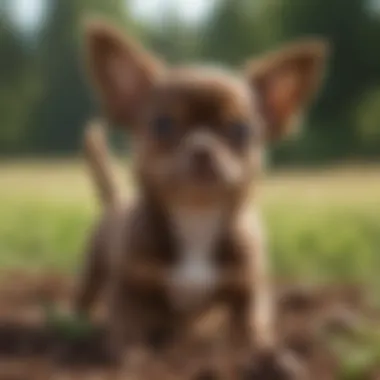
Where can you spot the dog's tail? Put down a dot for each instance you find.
(99, 161)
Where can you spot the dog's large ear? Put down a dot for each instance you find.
(122, 71)
(285, 82)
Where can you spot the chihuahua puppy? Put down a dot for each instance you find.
(191, 239)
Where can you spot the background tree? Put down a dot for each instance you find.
(66, 103)
(19, 85)
(44, 97)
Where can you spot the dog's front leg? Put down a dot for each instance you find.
(261, 300)
(268, 357)
(253, 335)
(250, 297)
(116, 326)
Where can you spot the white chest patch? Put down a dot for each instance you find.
(195, 275)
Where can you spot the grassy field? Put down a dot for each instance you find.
(322, 225)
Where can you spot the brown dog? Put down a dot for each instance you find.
(190, 240)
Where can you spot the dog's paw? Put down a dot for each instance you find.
(274, 366)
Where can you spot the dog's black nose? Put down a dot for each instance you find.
(202, 164)
(201, 158)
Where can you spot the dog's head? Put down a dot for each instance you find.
(198, 132)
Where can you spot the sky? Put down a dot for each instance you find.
(191, 10)
(28, 12)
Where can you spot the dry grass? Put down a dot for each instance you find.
(68, 181)
(321, 223)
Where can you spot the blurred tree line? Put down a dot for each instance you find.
(45, 100)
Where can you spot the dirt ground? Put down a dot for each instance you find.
(32, 347)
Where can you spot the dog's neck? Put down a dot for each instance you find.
(190, 240)
(187, 226)
(196, 231)
(194, 276)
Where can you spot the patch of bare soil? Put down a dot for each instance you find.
(33, 348)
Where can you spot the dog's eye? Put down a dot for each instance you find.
(162, 127)
(239, 133)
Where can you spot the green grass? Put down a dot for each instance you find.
(335, 242)
(36, 234)
(322, 225)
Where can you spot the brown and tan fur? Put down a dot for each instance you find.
(189, 241)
